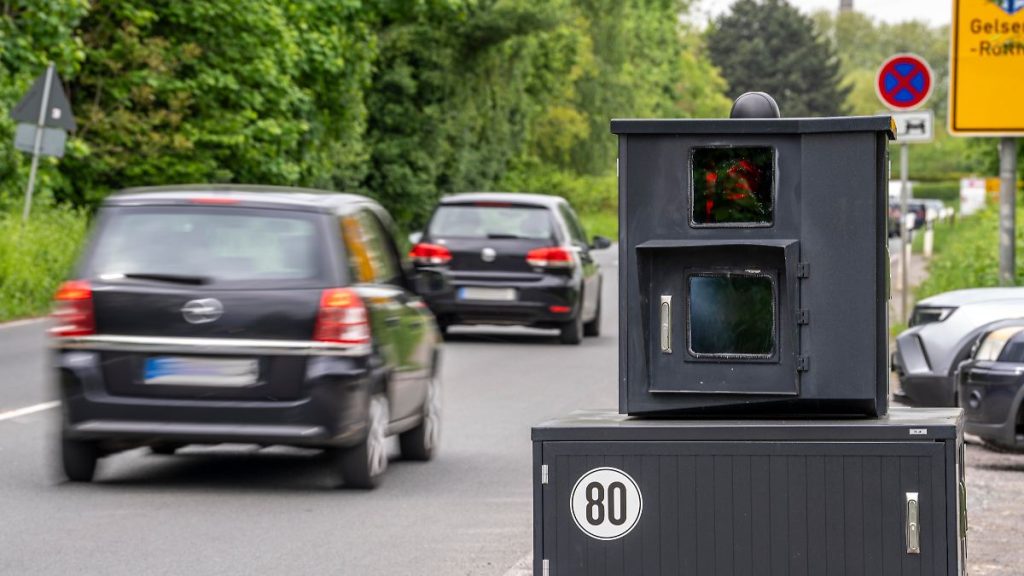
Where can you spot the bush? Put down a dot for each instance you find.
(947, 191)
(35, 257)
(967, 254)
(595, 198)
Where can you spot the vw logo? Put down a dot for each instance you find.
(488, 254)
(202, 311)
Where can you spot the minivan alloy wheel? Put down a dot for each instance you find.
(421, 442)
(376, 442)
(432, 417)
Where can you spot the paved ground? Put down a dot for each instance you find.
(240, 511)
(995, 510)
(247, 512)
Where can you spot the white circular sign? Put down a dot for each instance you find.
(606, 503)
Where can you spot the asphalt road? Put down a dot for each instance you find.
(238, 510)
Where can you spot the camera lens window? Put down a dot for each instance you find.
(733, 186)
(731, 315)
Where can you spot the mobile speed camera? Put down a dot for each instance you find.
(754, 263)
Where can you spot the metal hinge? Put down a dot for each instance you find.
(803, 363)
(543, 473)
(803, 270)
(803, 316)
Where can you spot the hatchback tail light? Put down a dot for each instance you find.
(342, 318)
(73, 310)
(424, 253)
(554, 257)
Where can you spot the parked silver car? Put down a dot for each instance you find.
(942, 330)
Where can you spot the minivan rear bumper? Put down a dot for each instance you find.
(329, 411)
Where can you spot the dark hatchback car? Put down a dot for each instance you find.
(513, 259)
(242, 314)
(991, 387)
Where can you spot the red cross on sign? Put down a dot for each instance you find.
(904, 82)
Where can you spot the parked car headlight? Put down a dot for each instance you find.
(929, 314)
(992, 344)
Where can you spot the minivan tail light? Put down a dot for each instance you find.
(424, 253)
(342, 318)
(73, 310)
(554, 257)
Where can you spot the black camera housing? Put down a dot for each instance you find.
(754, 266)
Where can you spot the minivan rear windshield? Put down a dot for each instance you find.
(493, 221)
(209, 245)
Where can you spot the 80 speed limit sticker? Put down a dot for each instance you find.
(606, 503)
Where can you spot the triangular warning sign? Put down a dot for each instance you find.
(58, 109)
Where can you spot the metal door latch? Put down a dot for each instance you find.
(666, 324)
(913, 524)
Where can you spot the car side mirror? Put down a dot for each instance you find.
(601, 243)
(429, 281)
(415, 237)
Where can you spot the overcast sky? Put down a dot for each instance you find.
(934, 12)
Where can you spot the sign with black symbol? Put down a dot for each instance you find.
(606, 503)
(914, 127)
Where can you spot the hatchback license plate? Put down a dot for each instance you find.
(212, 372)
(492, 294)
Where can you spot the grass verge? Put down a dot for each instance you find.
(601, 224)
(967, 254)
(35, 257)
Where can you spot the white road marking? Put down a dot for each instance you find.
(522, 568)
(10, 414)
(24, 322)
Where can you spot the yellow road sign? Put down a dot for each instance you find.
(987, 68)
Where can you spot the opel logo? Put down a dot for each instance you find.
(202, 311)
(488, 254)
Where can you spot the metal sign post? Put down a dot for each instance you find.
(903, 83)
(1007, 210)
(905, 230)
(985, 65)
(38, 142)
(44, 118)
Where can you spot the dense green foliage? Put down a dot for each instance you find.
(967, 254)
(947, 191)
(403, 100)
(34, 258)
(862, 45)
(770, 46)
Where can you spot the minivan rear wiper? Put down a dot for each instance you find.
(505, 237)
(161, 277)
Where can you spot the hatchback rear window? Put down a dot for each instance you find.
(491, 221)
(209, 245)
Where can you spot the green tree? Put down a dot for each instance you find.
(457, 93)
(770, 46)
(33, 33)
(863, 44)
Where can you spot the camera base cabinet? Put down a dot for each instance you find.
(615, 495)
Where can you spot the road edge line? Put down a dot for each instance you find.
(22, 322)
(18, 412)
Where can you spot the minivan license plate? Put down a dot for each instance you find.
(492, 294)
(212, 372)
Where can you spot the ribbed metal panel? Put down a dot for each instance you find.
(754, 508)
